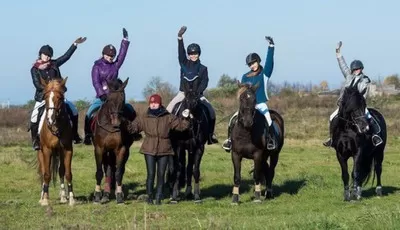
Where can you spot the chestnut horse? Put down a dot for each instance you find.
(55, 141)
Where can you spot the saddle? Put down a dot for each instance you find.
(178, 109)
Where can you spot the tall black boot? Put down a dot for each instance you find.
(88, 132)
(332, 125)
(35, 136)
(227, 145)
(212, 139)
(77, 138)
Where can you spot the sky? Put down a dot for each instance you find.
(305, 32)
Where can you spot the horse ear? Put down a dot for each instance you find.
(124, 84)
(43, 82)
(255, 87)
(64, 81)
(240, 85)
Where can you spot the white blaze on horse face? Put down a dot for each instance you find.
(51, 106)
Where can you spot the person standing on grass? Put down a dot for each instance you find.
(156, 123)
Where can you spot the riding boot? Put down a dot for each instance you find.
(149, 190)
(77, 138)
(332, 125)
(227, 145)
(375, 129)
(212, 139)
(35, 136)
(271, 143)
(88, 132)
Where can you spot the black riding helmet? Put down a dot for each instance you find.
(193, 49)
(253, 57)
(356, 64)
(109, 50)
(47, 50)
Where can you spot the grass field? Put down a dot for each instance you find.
(307, 186)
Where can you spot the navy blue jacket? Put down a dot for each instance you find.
(194, 75)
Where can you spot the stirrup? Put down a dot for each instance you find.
(271, 145)
(227, 145)
(378, 140)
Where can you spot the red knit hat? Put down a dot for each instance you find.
(155, 98)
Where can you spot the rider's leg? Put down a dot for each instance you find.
(212, 139)
(227, 145)
(88, 132)
(35, 118)
(74, 115)
(375, 129)
(178, 98)
(263, 108)
(328, 142)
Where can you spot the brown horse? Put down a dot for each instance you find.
(55, 141)
(249, 140)
(111, 142)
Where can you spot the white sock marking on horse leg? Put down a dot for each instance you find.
(51, 105)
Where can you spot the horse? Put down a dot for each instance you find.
(111, 142)
(193, 141)
(351, 137)
(249, 140)
(56, 138)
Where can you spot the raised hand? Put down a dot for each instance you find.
(270, 40)
(182, 31)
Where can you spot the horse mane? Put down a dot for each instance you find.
(55, 85)
(241, 90)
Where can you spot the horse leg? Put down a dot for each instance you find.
(273, 161)
(237, 164)
(258, 172)
(121, 159)
(196, 173)
(98, 153)
(46, 174)
(68, 173)
(345, 176)
(378, 170)
(108, 169)
(357, 177)
(63, 192)
(189, 175)
(175, 170)
(182, 168)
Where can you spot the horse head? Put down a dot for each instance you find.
(247, 104)
(191, 100)
(352, 108)
(115, 101)
(54, 102)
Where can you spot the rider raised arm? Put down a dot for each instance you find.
(156, 123)
(353, 75)
(48, 69)
(105, 70)
(258, 75)
(193, 75)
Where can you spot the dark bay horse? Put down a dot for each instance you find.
(56, 138)
(249, 140)
(351, 137)
(111, 142)
(191, 141)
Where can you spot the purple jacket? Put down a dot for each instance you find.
(103, 71)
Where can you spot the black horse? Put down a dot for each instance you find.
(352, 137)
(191, 141)
(249, 140)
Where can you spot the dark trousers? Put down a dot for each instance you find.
(151, 163)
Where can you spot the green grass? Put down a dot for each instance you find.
(307, 185)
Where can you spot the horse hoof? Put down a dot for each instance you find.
(269, 195)
(44, 202)
(189, 196)
(63, 200)
(173, 201)
(378, 191)
(257, 196)
(257, 201)
(71, 201)
(198, 201)
(235, 199)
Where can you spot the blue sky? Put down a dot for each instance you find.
(305, 33)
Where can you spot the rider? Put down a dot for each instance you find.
(352, 75)
(105, 70)
(258, 75)
(156, 146)
(191, 71)
(48, 69)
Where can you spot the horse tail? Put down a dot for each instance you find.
(55, 162)
(366, 165)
